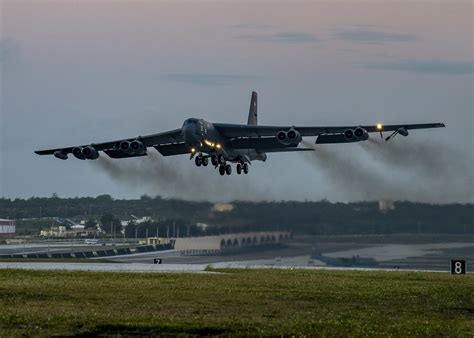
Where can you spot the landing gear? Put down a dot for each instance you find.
(228, 169)
(222, 170)
(219, 162)
(239, 169)
(201, 160)
(221, 159)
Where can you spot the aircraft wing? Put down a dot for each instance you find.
(112, 148)
(259, 143)
(242, 130)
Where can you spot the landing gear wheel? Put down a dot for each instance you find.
(198, 160)
(222, 170)
(246, 168)
(221, 159)
(205, 161)
(239, 169)
(214, 160)
(228, 169)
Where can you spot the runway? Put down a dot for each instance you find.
(106, 267)
(176, 268)
(422, 254)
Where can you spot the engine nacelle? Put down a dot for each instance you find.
(349, 135)
(125, 147)
(291, 136)
(90, 153)
(77, 152)
(137, 147)
(354, 135)
(282, 137)
(361, 134)
(294, 136)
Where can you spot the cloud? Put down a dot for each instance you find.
(373, 36)
(425, 66)
(281, 37)
(208, 79)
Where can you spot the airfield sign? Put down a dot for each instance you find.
(458, 267)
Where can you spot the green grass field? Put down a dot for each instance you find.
(236, 302)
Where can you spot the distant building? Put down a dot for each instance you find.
(61, 231)
(386, 206)
(229, 242)
(222, 207)
(135, 220)
(7, 228)
(156, 241)
(54, 231)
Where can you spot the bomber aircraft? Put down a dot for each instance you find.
(222, 144)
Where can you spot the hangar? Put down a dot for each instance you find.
(230, 242)
(7, 228)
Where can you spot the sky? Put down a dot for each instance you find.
(74, 72)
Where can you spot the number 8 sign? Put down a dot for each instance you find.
(458, 267)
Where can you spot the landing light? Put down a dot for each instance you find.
(193, 150)
(379, 126)
(209, 143)
(218, 146)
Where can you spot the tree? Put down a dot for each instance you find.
(110, 224)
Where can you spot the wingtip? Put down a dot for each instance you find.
(441, 125)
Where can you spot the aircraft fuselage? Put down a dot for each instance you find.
(202, 137)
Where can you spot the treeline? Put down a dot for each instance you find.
(200, 218)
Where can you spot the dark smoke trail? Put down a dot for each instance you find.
(173, 178)
(401, 171)
(351, 174)
(438, 168)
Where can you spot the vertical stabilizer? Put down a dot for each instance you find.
(252, 121)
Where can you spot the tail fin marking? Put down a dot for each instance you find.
(252, 120)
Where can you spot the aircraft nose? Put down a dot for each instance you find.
(190, 136)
